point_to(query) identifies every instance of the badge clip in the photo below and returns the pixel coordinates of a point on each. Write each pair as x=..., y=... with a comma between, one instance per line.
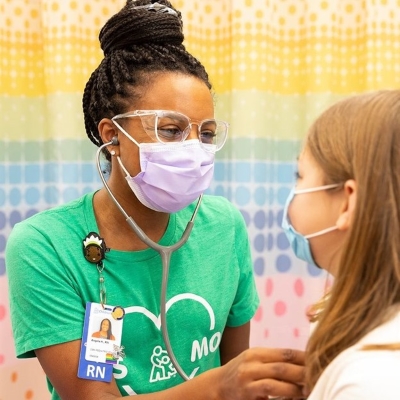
x=94, y=248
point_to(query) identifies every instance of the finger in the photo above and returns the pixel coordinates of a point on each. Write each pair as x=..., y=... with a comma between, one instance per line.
x=280, y=398
x=278, y=371
x=267, y=355
x=272, y=387
x=284, y=398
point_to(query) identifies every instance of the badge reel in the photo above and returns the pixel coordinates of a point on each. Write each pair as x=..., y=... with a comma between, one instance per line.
x=102, y=330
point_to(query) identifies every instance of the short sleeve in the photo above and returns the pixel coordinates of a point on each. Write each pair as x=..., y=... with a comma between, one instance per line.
x=45, y=307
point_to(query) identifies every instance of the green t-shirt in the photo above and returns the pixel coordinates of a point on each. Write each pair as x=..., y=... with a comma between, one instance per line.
x=210, y=286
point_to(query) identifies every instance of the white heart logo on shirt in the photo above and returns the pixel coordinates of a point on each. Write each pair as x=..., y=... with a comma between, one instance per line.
x=183, y=296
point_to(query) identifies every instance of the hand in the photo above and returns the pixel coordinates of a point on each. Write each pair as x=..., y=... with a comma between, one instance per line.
x=261, y=372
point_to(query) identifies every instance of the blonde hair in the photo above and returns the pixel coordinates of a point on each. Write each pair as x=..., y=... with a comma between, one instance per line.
x=359, y=138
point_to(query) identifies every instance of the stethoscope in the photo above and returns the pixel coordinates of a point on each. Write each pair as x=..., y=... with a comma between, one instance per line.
x=164, y=251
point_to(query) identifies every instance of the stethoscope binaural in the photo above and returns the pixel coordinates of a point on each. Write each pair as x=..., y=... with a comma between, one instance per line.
x=164, y=251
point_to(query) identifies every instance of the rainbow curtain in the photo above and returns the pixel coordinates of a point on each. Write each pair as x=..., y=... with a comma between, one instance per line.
x=274, y=64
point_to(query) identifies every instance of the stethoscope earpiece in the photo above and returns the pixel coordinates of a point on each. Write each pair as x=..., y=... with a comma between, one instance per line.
x=115, y=141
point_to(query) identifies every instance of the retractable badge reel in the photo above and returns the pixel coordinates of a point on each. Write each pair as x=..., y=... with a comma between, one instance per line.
x=94, y=250
x=102, y=329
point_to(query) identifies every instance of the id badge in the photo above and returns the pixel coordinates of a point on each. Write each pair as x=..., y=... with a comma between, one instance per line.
x=101, y=341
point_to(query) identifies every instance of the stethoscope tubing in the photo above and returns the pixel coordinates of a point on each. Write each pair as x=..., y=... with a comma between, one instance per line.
x=165, y=253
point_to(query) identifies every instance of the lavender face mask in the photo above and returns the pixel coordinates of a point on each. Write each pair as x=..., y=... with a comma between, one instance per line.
x=172, y=175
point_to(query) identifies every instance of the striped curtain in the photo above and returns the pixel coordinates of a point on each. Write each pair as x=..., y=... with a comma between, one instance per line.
x=274, y=64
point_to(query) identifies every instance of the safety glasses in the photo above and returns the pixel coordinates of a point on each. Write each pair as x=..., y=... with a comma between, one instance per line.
x=171, y=126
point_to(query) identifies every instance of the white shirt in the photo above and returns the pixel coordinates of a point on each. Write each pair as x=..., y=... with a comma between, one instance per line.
x=357, y=374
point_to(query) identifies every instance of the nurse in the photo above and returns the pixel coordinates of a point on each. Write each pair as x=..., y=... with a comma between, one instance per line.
x=150, y=104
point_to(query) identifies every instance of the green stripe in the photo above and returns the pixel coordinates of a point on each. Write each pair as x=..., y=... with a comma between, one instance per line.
x=263, y=126
x=267, y=115
x=76, y=150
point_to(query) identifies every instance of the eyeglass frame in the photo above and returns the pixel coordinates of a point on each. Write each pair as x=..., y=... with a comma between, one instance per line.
x=140, y=113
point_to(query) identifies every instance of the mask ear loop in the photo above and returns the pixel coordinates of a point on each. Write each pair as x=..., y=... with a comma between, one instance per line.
x=319, y=233
x=122, y=166
x=124, y=132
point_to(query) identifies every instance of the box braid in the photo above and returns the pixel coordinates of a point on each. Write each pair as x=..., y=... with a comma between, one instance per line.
x=138, y=43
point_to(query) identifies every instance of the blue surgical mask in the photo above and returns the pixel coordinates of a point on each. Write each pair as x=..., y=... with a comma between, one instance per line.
x=299, y=242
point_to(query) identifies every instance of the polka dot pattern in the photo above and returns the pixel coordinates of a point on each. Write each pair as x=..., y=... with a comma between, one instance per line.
x=64, y=33
x=274, y=66
x=24, y=383
x=284, y=47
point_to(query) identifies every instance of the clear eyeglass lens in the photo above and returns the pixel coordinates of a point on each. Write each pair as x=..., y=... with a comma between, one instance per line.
x=170, y=127
x=213, y=132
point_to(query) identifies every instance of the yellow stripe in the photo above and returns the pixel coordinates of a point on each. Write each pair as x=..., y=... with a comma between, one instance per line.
x=314, y=65
x=286, y=67
x=61, y=65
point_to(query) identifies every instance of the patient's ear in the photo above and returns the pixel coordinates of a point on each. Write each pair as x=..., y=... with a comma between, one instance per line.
x=349, y=203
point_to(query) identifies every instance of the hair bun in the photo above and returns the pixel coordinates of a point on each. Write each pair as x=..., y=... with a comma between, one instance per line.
x=142, y=22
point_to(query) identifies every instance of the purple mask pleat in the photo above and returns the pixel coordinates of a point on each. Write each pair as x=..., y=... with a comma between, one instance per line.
x=173, y=175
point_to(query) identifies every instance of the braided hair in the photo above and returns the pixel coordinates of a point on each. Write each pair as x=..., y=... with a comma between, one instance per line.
x=137, y=42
